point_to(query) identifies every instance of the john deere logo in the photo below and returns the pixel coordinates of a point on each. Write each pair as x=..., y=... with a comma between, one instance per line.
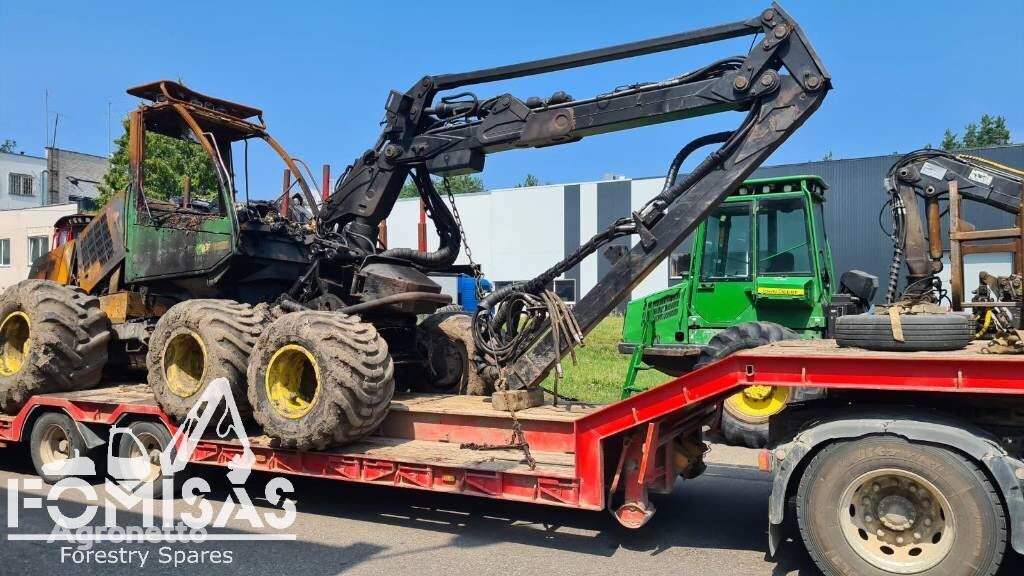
x=770, y=291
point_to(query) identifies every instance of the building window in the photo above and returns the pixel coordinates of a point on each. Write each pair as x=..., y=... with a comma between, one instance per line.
x=565, y=288
x=5, y=252
x=20, y=184
x=38, y=246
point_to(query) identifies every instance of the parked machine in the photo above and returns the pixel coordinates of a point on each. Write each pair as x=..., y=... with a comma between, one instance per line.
x=314, y=312
x=759, y=270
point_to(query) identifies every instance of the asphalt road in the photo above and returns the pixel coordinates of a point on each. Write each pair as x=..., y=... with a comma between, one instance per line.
x=715, y=524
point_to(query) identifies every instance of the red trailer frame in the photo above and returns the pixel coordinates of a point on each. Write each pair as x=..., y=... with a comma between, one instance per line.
x=422, y=444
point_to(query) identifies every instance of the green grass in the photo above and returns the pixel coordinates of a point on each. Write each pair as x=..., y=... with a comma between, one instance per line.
x=601, y=370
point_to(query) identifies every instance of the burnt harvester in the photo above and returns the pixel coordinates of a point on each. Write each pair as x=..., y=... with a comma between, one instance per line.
x=320, y=318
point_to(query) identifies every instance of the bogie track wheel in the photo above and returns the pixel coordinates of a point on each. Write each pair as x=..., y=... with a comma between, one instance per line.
x=197, y=341
x=320, y=378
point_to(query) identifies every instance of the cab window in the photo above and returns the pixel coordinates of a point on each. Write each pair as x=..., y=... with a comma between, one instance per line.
x=727, y=236
x=783, y=243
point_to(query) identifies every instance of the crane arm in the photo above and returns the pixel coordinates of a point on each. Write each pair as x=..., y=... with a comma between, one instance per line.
x=928, y=174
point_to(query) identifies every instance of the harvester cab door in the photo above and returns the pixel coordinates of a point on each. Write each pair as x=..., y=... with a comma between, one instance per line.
x=787, y=286
x=723, y=292
x=180, y=220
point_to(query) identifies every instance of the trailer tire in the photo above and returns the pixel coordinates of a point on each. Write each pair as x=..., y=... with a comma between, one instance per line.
x=745, y=414
x=445, y=340
x=320, y=378
x=53, y=338
x=936, y=332
x=154, y=438
x=54, y=441
x=197, y=341
x=882, y=505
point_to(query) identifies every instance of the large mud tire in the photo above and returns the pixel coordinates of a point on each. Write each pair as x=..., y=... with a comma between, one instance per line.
x=745, y=414
x=53, y=338
x=198, y=341
x=445, y=340
x=320, y=379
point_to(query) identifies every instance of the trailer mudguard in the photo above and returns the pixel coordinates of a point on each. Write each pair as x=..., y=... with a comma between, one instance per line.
x=914, y=426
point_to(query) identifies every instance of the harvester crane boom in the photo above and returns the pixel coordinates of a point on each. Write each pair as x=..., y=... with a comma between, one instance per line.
x=928, y=174
x=780, y=83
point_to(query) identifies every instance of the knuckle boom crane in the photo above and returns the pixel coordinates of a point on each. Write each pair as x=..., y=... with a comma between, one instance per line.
x=779, y=84
x=929, y=175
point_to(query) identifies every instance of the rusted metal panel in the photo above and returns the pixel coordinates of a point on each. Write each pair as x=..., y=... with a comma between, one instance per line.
x=54, y=266
x=123, y=306
x=100, y=246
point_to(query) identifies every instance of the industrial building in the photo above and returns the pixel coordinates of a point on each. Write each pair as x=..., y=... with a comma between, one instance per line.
x=34, y=192
x=516, y=233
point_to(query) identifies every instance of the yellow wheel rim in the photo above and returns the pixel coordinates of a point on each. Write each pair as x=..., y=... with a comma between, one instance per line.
x=15, y=341
x=755, y=404
x=293, y=381
x=184, y=364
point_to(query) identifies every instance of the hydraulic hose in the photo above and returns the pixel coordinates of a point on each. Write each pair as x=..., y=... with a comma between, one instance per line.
x=444, y=223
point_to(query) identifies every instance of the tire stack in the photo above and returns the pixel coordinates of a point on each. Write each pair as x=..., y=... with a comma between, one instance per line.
x=921, y=332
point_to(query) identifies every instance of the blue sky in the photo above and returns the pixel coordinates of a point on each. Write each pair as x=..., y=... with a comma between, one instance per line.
x=902, y=71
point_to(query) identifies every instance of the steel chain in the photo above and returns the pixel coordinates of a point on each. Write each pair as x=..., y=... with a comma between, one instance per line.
x=477, y=273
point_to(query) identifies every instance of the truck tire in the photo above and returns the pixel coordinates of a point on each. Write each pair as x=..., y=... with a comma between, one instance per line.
x=320, y=378
x=445, y=340
x=198, y=341
x=745, y=414
x=950, y=331
x=54, y=444
x=53, y=338
x=882, y=505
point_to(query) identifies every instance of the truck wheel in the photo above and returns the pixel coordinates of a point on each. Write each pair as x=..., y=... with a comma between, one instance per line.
x=55, y=443
x=883, y=505
x=198, y=341
x=949, y=331
x=53, y=338
x=320, y=378
x=145, y=442
x=745, y=414
x=445, y=340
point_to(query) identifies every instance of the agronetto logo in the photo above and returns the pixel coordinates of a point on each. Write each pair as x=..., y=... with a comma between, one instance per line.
x=137, y=504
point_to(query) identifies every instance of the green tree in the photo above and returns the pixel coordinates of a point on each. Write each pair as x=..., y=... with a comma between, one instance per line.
x=8, y=146
x=529, y=180
x=167, y=162
x=989, y=131
x=465, y=184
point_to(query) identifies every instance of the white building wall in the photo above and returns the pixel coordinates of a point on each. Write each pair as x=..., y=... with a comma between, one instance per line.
x=526, y=231
x=21, y=164
x=642, y=191
x=588, y=227
x=18, y=226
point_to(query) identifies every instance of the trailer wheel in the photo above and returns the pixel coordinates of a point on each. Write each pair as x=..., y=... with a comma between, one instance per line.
x=53, y=338
x=57, y=447
x=445, y=340
x=950, y=331
x=745, y=414
x=197, y=341
x=145, y=442
x=882, y=505
x=320, y=378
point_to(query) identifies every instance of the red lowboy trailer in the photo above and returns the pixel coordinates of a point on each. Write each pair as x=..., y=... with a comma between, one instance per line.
x=912, y=462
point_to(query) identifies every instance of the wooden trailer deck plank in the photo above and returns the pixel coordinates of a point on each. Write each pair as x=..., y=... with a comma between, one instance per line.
x=481, y=406
x=829, y=349
x=445, y=454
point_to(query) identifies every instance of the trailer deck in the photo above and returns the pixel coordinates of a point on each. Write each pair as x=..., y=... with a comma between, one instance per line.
x=423, y=442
